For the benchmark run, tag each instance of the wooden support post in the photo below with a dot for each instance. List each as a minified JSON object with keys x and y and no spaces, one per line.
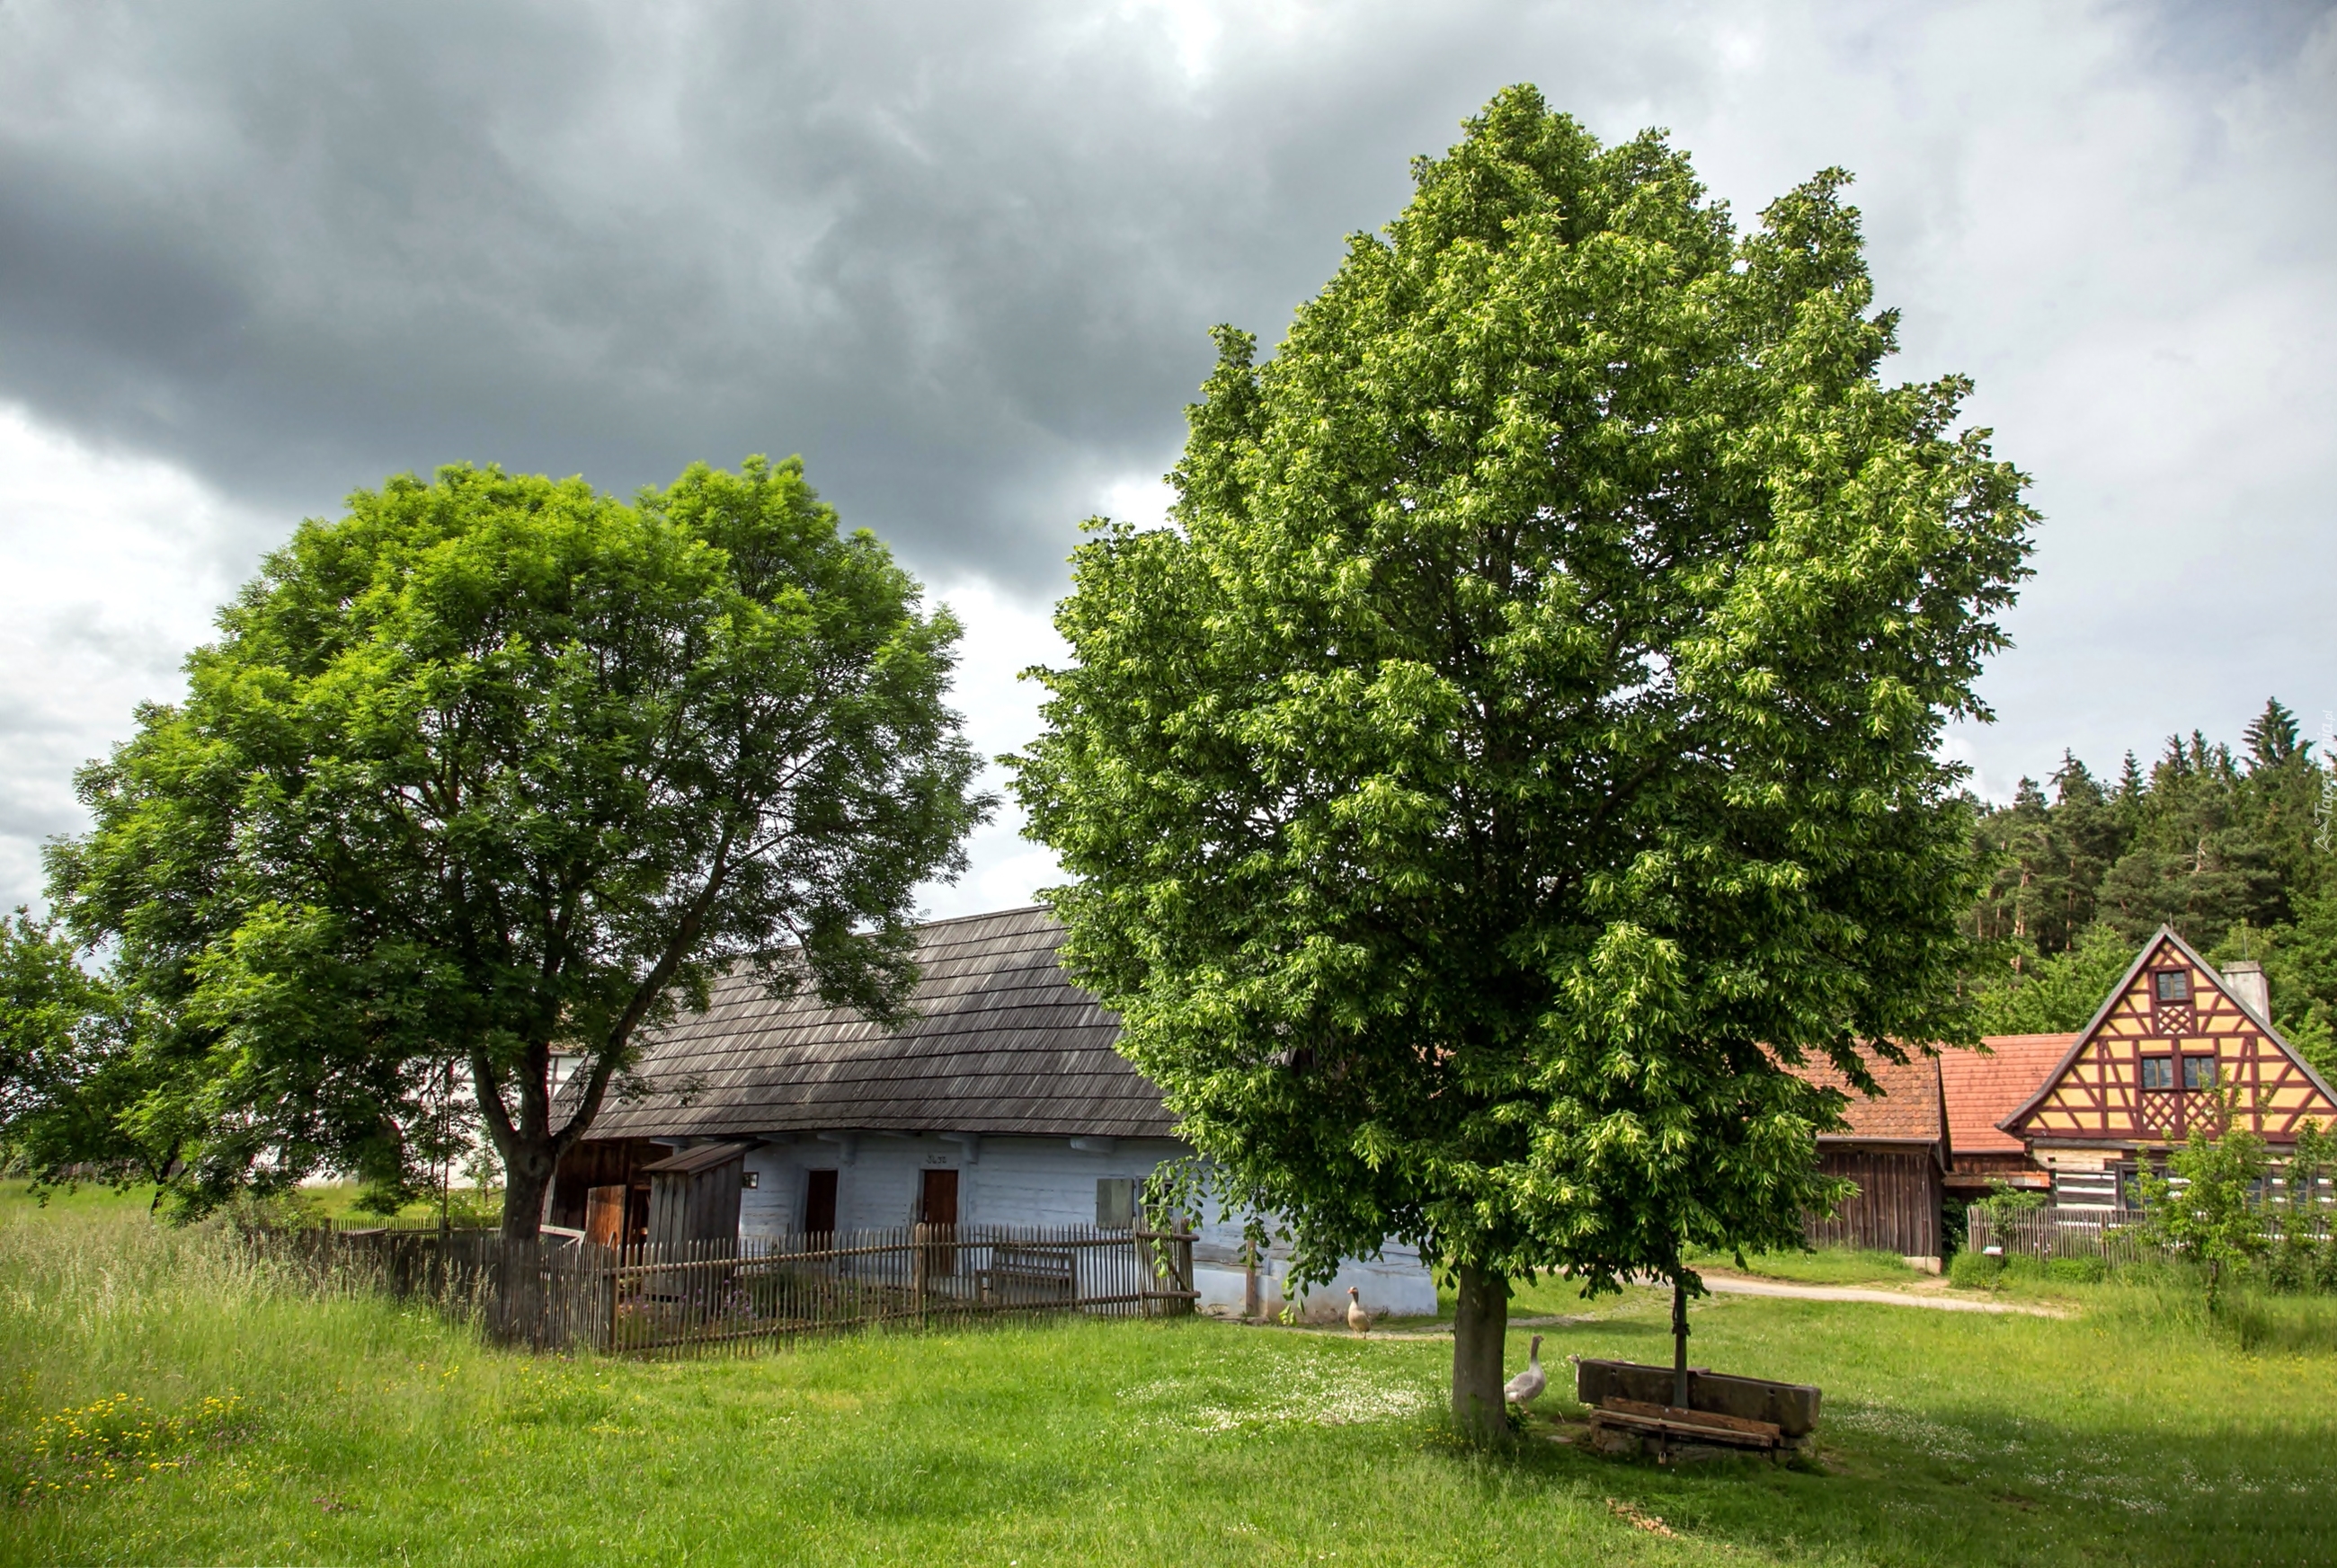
{"x":1679,"y":1345}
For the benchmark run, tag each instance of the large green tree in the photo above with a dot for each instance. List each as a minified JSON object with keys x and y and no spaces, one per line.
{"x":494,"y":768}
{"x":1522,"y":746}
{"x":67,"y":1072}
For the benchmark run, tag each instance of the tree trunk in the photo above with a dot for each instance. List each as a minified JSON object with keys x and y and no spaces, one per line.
{"x":1480,"y":1324}
{"x":527,"y":1182}
{"x":517,"y":1316}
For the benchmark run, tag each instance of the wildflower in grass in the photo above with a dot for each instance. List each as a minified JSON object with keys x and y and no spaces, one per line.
{"x":120,"y":1436}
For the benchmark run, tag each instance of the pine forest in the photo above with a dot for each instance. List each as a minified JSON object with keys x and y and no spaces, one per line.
{"x":2230,"y":847}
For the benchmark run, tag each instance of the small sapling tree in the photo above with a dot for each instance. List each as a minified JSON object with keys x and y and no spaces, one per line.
{"x":1522,"y":750}
{"x":495,"y":767}
{"x":2207,"y":1205}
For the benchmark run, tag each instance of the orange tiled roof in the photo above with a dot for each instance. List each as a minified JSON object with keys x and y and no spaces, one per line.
{"x":1908,"y":1112}
{"x":1982,"y":1090}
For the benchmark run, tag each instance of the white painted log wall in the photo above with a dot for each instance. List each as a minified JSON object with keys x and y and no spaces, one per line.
{"x":1044,"y":1181}
{"x":1011,"y":1181}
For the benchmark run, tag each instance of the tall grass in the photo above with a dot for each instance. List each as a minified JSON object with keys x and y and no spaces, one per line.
{"x":102,"y":1291}
{"x":135,"y":1350}
{"x":168,"y":1398}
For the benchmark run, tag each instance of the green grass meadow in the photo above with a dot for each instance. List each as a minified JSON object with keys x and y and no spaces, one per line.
{"x":162,"y":1401}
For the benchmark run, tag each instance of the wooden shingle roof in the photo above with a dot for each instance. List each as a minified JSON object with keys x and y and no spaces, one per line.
{"x":1002,"y":1043}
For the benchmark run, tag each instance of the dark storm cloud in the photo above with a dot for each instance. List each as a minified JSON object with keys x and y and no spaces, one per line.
{"x":962,"y":257}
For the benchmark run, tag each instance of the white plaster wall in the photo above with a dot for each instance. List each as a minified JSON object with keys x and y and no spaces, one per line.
{"x":1000,"y":1180}
{"x":1396,"y":1284}
{"x":1046,"y":1181}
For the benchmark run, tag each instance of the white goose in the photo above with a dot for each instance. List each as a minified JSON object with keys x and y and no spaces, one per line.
{"x":1358,"y":1319}
{"x":1528,"y":1385}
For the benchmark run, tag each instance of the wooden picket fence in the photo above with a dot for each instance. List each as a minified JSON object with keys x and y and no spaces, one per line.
{"x":2046,"y":1234}
{"x":738,"y":1296}
{"x":2116,"y":1236}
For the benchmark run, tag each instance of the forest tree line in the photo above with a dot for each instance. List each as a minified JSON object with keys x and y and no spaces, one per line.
{"x":2231,"y":847}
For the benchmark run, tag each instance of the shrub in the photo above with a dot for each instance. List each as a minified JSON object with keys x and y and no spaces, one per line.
{"x":2291,"y":1264}
{"x":2215,"y":1218}
{"x":1975,"y":1270}
{"x":2324,"y":1266}
{"x":2077,"y":1271}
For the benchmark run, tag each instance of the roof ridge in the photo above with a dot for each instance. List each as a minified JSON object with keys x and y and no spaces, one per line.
{"x":984,"y":915}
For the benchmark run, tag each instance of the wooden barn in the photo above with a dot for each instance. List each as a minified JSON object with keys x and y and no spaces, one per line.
{"x":2142,"y":1075}
{"x":1897,"y":1149}
{"x":1001,"y":1102}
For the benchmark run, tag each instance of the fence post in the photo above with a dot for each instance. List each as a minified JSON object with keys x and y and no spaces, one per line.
{"x":612,"y":1261}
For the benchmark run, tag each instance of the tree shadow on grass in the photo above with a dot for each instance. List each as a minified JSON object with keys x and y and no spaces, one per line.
{"x":1893,"y":1486}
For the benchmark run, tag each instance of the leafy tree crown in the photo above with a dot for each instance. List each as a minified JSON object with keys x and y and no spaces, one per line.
{"x":1520,"y":751}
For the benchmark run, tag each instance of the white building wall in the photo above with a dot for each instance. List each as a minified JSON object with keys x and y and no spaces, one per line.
{"x":1396,"y":1283}
{"x":1009,"y":1181}
{"x":1000,"y":1180}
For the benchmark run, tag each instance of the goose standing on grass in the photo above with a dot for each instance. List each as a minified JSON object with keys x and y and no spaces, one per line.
{"x":1527,"y":1386}
{"x":1357,"y":1319}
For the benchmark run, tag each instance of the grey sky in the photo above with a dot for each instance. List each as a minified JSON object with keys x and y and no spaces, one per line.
{"x":964,"y":259}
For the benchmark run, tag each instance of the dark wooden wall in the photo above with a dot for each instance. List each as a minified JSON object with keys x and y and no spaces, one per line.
{"x":695,"y":1205}
{"x":598,"y":1162}
{"x":1897,"y":1209}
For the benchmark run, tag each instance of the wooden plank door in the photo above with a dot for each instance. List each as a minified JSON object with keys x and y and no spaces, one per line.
{"x":937,"y":1212}
{"x":604,"y":1215}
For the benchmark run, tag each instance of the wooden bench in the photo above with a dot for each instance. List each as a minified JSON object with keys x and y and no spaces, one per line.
{"x":1631,"y":1410}
{"x":1023,"y":1274}
{"x":1671,"y":1422}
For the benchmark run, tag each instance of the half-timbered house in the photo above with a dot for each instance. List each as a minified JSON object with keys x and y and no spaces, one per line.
{"x":2151,"y":1067}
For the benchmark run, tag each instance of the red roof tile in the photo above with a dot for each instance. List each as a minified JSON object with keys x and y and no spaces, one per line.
{"x":1982,"y":1090}
{"x":1908,"y":1112}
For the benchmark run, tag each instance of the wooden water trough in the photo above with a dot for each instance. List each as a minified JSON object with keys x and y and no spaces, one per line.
{"x":1632,"y":1412}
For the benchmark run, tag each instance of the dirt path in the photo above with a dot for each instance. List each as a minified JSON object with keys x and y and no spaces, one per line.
{"x":1738,"y":1285}
{"x":1930,"y":1293}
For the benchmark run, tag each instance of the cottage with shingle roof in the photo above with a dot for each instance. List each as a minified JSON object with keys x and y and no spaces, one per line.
{"x":1001,"y":1102}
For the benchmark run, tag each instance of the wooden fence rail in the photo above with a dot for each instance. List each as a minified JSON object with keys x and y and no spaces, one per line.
{"x":2116,"y":1237}
{"x":2044,"y":1235}
{"x":734,"y":1296}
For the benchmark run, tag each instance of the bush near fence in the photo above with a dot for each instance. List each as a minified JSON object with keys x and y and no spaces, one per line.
{"x":696,"y":1297}
{"x":2057,"y":1245}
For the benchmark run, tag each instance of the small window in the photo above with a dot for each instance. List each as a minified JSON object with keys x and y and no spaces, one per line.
{"x":747,"y":1180}
{"x":2174,"y":985}
{"x":2158,"y":1072}
{"x":1115,"y":1204}
{"x":2198,"y":1072}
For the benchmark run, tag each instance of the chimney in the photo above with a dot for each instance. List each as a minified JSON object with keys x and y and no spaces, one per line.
{"x":2243,"y":979}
